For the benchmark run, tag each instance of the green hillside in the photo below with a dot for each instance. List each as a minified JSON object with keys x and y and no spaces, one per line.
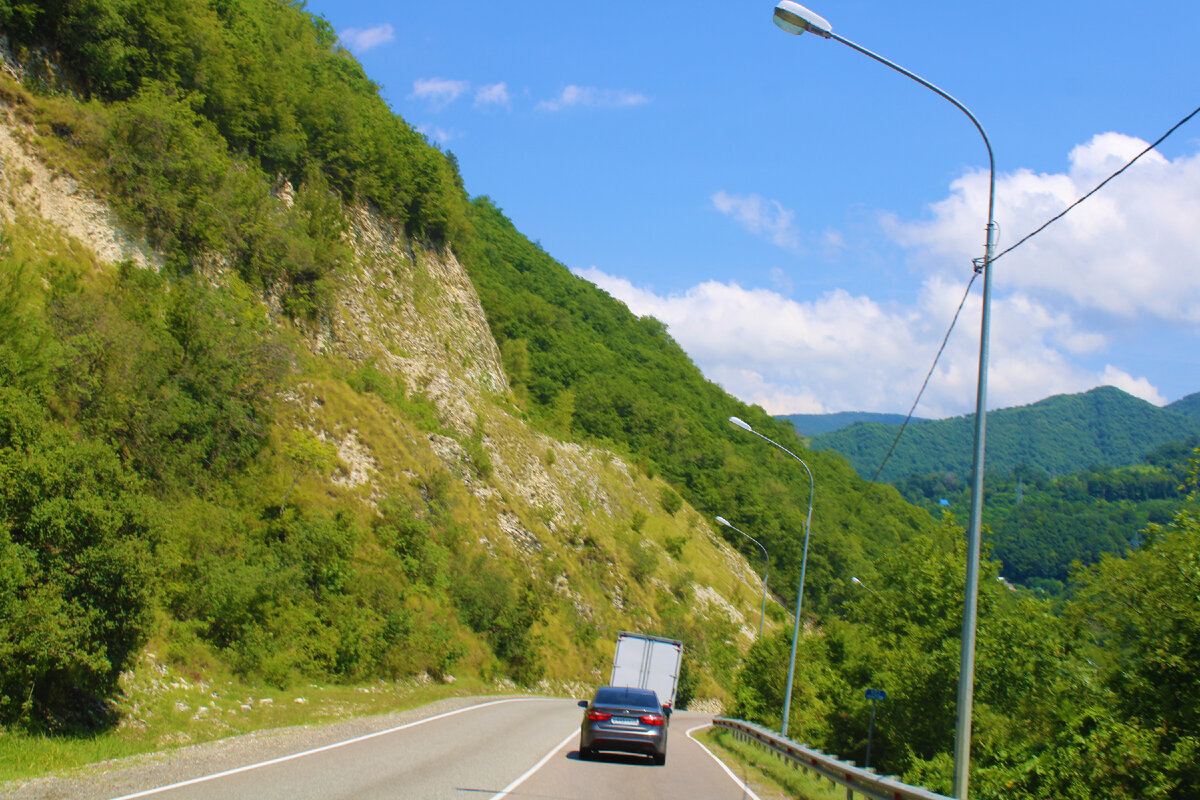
{"x":284,"y":437}
{"x":1189,"y":405}
{"x":1058,"y":435}
{"x":1041,"y":528}
{"x":282,"y":409}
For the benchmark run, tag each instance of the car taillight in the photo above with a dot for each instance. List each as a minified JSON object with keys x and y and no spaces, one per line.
{"x":652,"y":719}
{"x":598,"y":716}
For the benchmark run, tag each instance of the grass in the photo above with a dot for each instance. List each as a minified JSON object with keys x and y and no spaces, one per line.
{"x":771,"y":777}
{"x":162,"y":708}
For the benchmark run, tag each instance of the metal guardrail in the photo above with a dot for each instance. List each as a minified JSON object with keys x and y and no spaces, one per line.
{"x":863,"y":782}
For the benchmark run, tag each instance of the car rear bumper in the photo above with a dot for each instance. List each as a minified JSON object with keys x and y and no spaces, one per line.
{"x":624,"y":741}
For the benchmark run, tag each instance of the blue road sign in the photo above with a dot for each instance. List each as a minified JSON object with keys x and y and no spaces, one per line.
{"x":876,"y":694}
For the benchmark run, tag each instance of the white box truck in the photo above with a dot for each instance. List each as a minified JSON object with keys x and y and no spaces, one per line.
{"x":648,"y":662}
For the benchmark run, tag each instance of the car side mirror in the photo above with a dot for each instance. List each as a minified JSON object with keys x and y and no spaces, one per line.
{"x":583,"y":703}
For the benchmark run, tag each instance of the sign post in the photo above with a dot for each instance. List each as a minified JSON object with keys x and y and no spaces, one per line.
{"x":872,"y":695}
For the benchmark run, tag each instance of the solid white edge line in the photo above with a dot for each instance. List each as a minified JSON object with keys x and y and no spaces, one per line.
{"x":724,"y":766}
{"x":281,"y":759}
{"x":507,"y":789}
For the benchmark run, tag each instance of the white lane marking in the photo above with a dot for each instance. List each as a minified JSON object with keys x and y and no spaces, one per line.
{"x":728,"y":771}
{"x":322,"y":749}
{"x":503,"y":792}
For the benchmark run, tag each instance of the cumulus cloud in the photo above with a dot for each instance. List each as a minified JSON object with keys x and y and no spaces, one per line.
{"x":844,"y":352}
{"x":587,"y":96}
{"x":439,"y":92}
{"x":760,"y":216}
{"x":492,"y":95}
{"x":1059,"y":302}
{"x":1138,"y":387}
{"x":1125,"y":252}
{"x":360,"y":40}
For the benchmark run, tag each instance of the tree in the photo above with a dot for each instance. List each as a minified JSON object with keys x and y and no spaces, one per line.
{"x":76,"y":581}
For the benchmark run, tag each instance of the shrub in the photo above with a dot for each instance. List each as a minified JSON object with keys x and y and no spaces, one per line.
{"x":76,"y":583}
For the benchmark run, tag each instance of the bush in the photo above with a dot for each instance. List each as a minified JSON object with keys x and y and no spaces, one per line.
{"x":76,"y":582}
{"x":670,"y":500}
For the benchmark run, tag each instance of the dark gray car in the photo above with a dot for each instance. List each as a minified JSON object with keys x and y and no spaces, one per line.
{"x":625,"y":720}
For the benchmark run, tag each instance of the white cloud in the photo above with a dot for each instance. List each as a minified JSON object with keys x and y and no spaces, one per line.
{"x":1121,"y":260}
{"x":841,"y":352}
{"x":1138,"y":387}
{"x":760,"y":216}
{"x":592,"y":97}
{"x":360,"y":40}
{"x":1127,"y":251}
{"x":440,"y":92}
{"x":492,"y":94}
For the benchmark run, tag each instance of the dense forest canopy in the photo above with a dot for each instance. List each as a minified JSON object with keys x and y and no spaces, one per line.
{"x":148,"y":469}
{"x":1058,"y":435}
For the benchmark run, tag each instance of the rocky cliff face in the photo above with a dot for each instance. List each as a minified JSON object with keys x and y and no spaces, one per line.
{"x":579,"y":515}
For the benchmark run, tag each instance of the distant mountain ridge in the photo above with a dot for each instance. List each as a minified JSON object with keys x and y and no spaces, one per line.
{"x":1061,"y":434}
{"x":1189,"y":405}
{"x":814,"y":424}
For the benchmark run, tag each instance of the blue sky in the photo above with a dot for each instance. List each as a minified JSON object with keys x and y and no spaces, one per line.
{"x":801,"y":217}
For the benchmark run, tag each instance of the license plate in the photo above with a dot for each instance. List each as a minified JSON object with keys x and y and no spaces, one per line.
{"x":626,"y":721}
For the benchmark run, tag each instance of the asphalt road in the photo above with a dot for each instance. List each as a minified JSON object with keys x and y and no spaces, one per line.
{"x":509,"y":747}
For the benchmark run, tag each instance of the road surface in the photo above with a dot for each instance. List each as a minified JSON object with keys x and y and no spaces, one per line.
{"x":521,"y":748}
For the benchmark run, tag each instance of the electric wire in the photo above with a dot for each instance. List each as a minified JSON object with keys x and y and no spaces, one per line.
{"x":928,"y":375}
{"x":1099,"y":186}
{"x":978,"y":269}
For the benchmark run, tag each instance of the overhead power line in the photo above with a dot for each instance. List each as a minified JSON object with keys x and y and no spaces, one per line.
{"x":1003,"y":253}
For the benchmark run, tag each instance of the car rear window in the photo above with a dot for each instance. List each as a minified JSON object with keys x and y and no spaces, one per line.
{"x":621,"y":694}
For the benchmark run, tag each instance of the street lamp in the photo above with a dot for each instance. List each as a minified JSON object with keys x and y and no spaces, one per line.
{"x":766,"y":568}
{"x":795,"y":18}
{"x":863,"y":585}
{"x":787,"y":695}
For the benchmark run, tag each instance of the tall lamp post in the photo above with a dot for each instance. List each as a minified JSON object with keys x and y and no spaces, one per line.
{"x":766,"y":568}
{"x":787,"y":695}
{"x":795,"y":18}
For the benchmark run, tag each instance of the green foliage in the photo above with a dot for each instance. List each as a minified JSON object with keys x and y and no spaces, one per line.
{"x":307,"y":452}
{"x":75,"y":575}
{"x":177,"y":374}
{"x":643,"y":562}
{"x":414,"y":406}
{"x":1059,"y":435}
{"x":199,"y":108}
{"x":505,"y":609}
{"x":1041,"y":526}
{"x":632,"y":388}
{"x":1189,"y":405}
{"x":137,"y":468}
{"x":670,"y":500}
{"x":674,"y":546}
{"x":28,"y":348}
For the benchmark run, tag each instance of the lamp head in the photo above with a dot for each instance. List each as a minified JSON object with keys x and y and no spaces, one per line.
{"x":740,"y":424}
{"x":795,"y":18}
{"x":724,"y":522}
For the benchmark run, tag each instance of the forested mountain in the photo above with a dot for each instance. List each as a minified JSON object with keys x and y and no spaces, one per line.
{"x":1189,"y":405}
{"x":339,"y":420}
{"x":813,"y":424}
{"x":1040,"y":528}
{"x":279,"y":401}
{"x":1104,"y":427}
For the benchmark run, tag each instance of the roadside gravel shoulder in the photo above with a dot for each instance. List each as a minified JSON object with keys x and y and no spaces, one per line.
{"x":108,"y":779}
